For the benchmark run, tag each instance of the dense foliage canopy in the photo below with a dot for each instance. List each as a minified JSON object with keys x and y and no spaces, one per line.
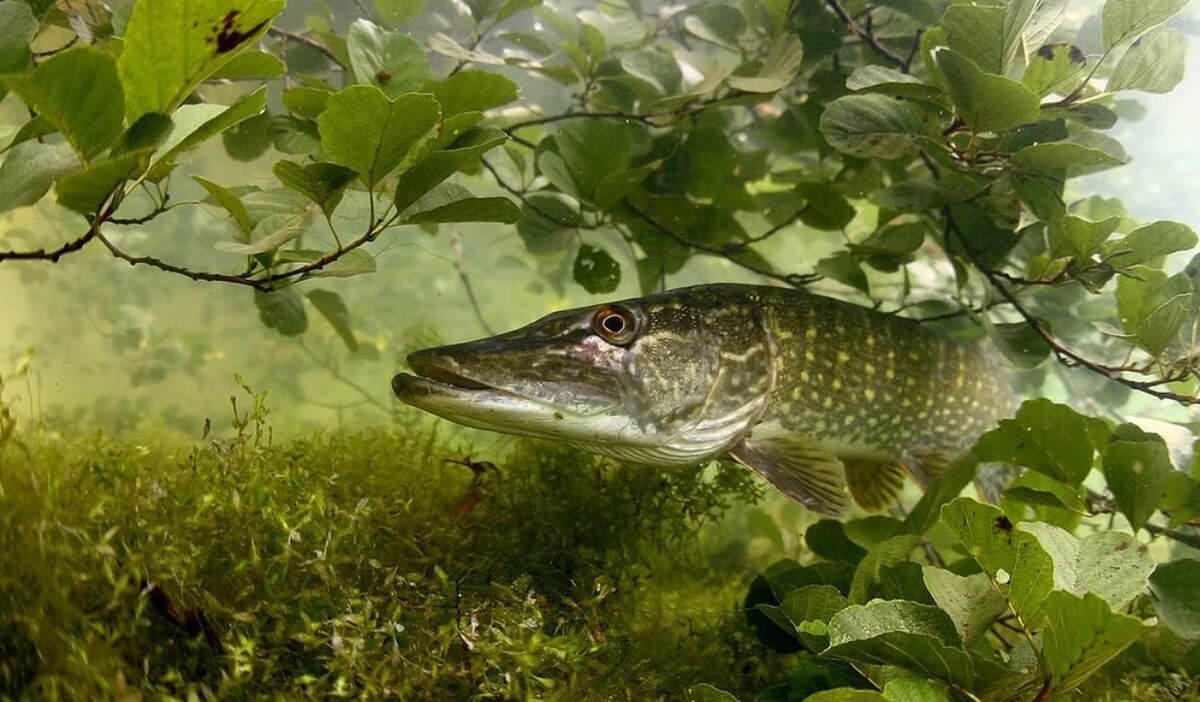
{"x":913,"y":155}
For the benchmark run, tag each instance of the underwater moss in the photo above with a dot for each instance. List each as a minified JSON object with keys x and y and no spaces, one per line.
{"x":375,"y":564}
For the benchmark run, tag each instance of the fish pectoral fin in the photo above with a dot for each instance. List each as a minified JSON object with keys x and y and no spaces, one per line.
{"x":874,"y":484}
{"x":927,"y":466}
{"x":795,"y":466}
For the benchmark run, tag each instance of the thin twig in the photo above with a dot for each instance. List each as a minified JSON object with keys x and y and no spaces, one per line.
{"x":307,"y":41}
{"x":794,"y":279}
{"x":52,"y":255}
{"x":1063,"y":354}
{"x":867,"y":36}
{"x":456,"y":248}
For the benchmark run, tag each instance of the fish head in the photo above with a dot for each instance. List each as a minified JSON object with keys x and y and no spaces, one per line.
{"x":670,"y":378}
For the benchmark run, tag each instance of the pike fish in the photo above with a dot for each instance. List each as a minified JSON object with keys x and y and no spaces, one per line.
{"x":819,"y":397}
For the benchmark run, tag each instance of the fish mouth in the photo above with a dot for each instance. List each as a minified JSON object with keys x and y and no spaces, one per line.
{"x":432,"y":374}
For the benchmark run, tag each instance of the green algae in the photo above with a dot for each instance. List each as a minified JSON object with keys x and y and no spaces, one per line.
{"x":363,"y":565}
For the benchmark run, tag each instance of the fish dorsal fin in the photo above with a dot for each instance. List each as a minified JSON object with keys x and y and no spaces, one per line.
{"x":797,"y":467}
{"x":927,"y":466}
{"x":874,"y":484}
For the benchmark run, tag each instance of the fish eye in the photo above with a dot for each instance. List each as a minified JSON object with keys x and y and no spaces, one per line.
{"x":615,"y":324}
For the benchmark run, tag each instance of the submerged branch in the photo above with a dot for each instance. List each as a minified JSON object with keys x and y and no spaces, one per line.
{"x":1062,"y":353}
{"x":52,"y":255}
{"x":867,"y":36}
{"x":794,"y":279}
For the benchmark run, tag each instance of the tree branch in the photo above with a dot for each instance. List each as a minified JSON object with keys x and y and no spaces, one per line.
{"x":53,"y":255}
{"x":1062,"y":353}
{"x":867,"y":36}
{"x":794,"y":279}
{"x":309,"y":42}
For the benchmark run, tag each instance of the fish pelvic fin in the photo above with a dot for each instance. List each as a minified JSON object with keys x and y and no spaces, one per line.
{"x":874,"y":484}
{"x":927,"y":466}
{"x":798,"y":468}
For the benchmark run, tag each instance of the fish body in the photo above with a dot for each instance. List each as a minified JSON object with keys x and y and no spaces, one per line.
{"x":814,"y":394}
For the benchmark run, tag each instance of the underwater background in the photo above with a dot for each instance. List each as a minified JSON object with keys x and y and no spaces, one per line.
{"x":193,"y":506}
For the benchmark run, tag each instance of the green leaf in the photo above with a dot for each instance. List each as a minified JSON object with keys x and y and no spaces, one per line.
{"x":474,"y":91}
{"x":1149,"y":243}
{"x":1056,"y":68}
{"x":473,"y":209}
{"x":873,"y":126}
{"x":1125,"y":19}
{"x":977,"y":33}
{"x":914,"y":689}
{"x":845,"y":694}
{"x":1154,"y":63}
{"x":351,"y":263}
{"x":1081,"y":156}
{"x":707,"y":693}
{"x":229,"y":200}
{"x":1062,"y":498}
{"x":171,"y":47}
{"x":79,"y":93}
{"x":1109,"y":564}
{"x":889,"y":81}
{"x":1013,"y":559}
{"x":445,"y":45}
{"x":1152,"y":306}
{"x":827,"y":538}
{"x":440,"y":165}
{"x":928,"y":509}
{"x":19,"y":28}
{"x":656,"y":69}
{"x":778,"y":69}
{"x":716,"y":24}
{"x":971,"y":602}
{"x":872,"y":530}
{"x":334,"y":310}
{"x":150,"y":131}
{"x":1080,"y":635}
{"x":548,"y":221}
{"x":1137,"y":472}
{"x":308,"y":103}
{"x":282,"y":310}
{"x":845,"y":269}
{"x":29,"y":169}
{"x":1176,"y":597}
{"x":1019,"y":342}
{"x":867,"y":576}
{"x":891,"y":246}
{"x":1044,"y":436}
{"x":591,"y":151}
{"x":393,"y":62}
{"x":249,"y":139}
{"x":323,"y":183}
{"x":1078,"y":237}
{"x":195,"y":124}
{"x":916,"y":637}
{"x":270,"y":233}
{"x":986,"y":102}
{"x":920,"y":194}
{"x":596,"y":270}
{"x":293,"y":135}
{"x":34,"y":128}
{"x":813,"y":603}
{"x":87,"y":190}
{"x":250,"y":65}
{"x":824,"y":207}
{"x":361,"y":129}
{"x":397,"y":12}
{"x":807,"y":612}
